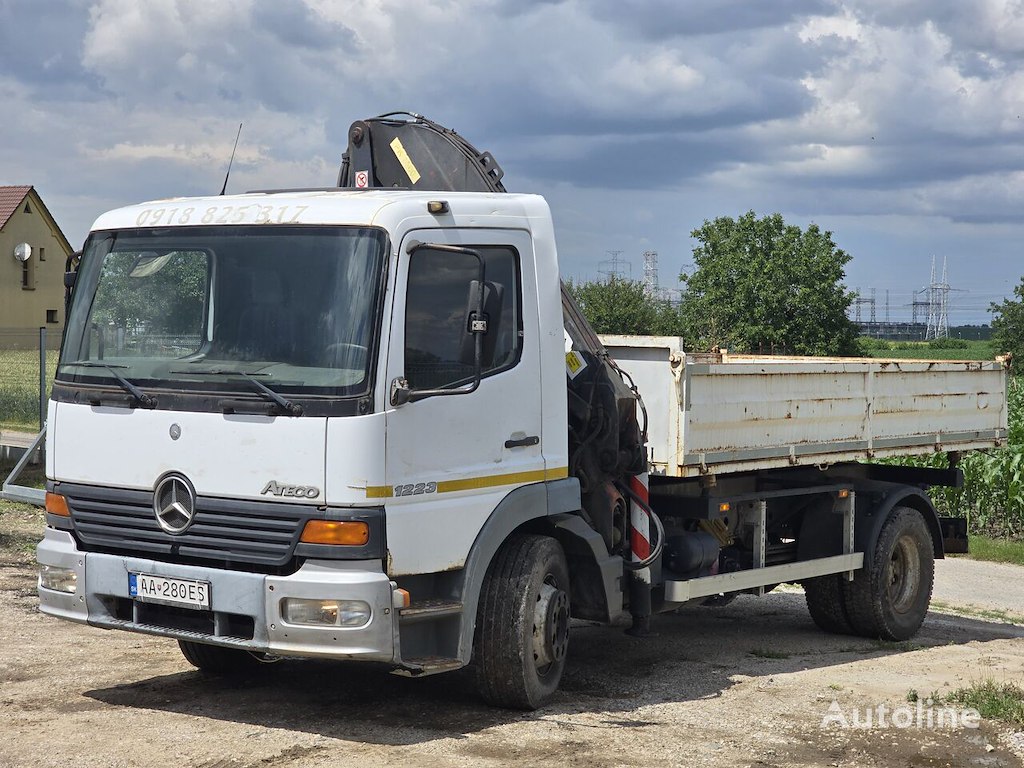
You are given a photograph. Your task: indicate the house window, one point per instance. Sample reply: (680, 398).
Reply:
(28, 209)
(51, 315)
(28, 274)
(42, 253)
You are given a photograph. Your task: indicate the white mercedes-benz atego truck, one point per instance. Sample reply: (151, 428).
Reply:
(368, 424)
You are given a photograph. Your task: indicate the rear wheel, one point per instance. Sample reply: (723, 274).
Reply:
(522, 626)
(826, 603)
(889, 597)
(217, 660)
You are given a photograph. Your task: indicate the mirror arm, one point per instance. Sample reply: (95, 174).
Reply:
(71, 265)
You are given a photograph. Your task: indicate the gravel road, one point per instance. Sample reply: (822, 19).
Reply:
(748, 684)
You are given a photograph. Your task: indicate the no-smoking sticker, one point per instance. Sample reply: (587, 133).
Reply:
(362, 179)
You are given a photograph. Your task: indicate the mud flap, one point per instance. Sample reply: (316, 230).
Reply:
(954, 535)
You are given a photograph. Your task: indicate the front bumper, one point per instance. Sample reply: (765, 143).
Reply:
(245, 607)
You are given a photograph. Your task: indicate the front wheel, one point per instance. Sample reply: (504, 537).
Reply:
(889, 596)
(216, 660)
(522, 625)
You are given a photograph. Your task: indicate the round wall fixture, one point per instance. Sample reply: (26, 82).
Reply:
(22, 251)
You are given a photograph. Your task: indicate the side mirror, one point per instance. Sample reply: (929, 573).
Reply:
(488, 310)
(71, 265)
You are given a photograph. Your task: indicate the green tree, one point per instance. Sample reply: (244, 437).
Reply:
(763, 286)
(623, 306)
(168, 297)
(1008, 326)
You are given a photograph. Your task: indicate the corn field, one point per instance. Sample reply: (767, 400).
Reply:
(19, 379)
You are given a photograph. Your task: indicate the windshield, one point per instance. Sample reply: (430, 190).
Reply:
(188, 307)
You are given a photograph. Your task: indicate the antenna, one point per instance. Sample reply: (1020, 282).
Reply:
(228, 174)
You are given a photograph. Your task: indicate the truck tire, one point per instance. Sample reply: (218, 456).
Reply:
(827, 604)
(888, 598)
(217, 660)
(522, 624)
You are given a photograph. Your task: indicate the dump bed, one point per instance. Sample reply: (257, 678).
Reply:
(721, 413)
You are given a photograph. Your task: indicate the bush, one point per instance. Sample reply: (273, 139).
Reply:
(948, 344)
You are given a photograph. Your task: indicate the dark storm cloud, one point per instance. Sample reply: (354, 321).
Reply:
(657, 19)
(294, 24)
(976, 25)
(41, 46)
(859, 108)
(644, 162)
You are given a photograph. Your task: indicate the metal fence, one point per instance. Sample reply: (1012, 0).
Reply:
(28, 361)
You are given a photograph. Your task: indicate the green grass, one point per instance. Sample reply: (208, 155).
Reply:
(33, 476)
(996, 550)
(19, 387)
(902, 646)
(993, 700)
(938, 349)
(767, 653)
(985, 614)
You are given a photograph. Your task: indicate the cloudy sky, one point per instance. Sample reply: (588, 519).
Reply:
(896, 124)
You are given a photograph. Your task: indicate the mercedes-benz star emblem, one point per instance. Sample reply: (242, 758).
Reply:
(174, 502)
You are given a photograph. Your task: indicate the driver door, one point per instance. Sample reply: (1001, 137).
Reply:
(450, 459)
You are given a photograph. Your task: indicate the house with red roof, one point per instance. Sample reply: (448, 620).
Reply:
(33, 252)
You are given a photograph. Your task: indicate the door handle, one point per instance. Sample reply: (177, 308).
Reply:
(521, 442)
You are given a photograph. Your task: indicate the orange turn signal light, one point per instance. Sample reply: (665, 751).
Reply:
(724, 507)
(57, 505)
(350, 532)
(844, 493)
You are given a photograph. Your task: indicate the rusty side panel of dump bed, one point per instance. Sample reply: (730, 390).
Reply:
(719, 413)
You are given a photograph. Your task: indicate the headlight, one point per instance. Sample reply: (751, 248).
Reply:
(58, 579)
(325, 613)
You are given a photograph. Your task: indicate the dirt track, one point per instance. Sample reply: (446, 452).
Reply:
(747, 684)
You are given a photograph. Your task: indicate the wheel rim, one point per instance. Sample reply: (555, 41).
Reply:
(550, 626)
(904, 574)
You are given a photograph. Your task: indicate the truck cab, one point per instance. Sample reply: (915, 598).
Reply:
(268, 414)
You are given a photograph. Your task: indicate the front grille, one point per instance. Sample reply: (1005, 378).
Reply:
(213, 624)
(225, 532)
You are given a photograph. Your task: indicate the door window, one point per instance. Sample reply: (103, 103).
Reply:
(438, 345)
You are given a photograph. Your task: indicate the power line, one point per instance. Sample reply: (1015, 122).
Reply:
(615, 267)
(651, 287)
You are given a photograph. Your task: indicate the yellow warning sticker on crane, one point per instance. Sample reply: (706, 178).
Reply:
(403, 157)
(574, 363)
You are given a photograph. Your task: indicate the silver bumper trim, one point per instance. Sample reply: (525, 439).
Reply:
(102, 600)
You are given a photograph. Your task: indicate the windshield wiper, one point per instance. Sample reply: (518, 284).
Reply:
(287, 405)
(146, 401)
(290, 408)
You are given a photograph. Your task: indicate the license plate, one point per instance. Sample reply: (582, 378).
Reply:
(160, 589)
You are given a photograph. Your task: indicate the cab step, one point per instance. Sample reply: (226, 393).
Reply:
(427, 665)
(428, 610)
